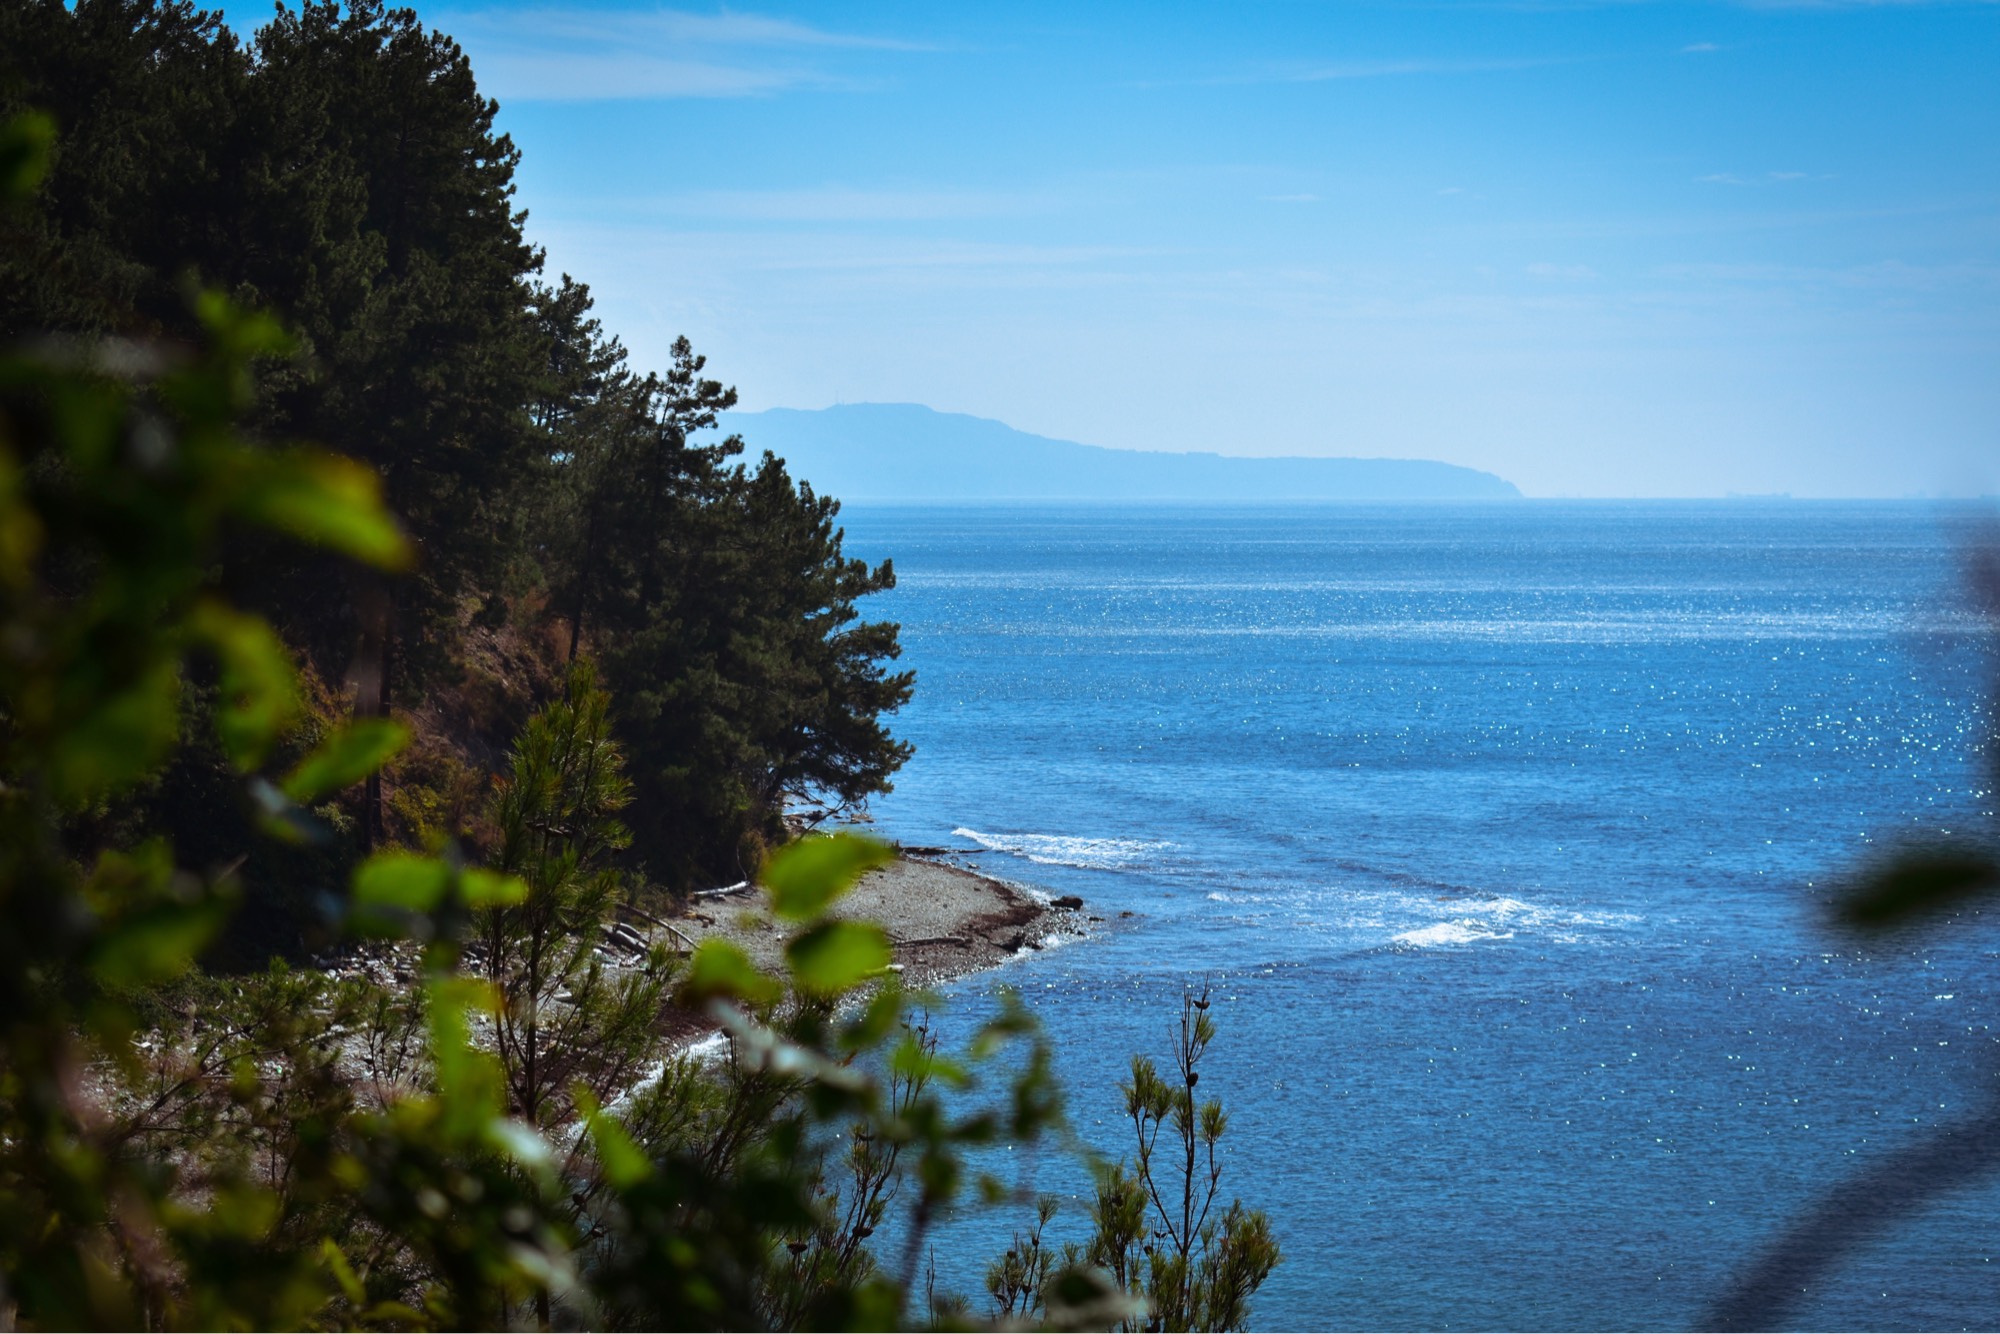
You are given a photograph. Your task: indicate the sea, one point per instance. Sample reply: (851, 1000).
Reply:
(1504, 835)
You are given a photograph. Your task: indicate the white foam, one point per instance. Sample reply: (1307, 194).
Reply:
(711, 1049)
(1422, 921)
(1462, 932)
(1099, 854)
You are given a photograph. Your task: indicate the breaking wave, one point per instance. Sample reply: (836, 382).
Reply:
(1097, 854)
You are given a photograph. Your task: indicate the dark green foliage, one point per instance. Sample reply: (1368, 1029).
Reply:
(1157, 1231)
(146, 99)
(342, 169)
(414, 318)
(1159, 1256)
(719, 604)
(305, 1149)
(565, 1027)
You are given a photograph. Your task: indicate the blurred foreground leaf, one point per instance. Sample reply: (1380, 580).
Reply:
(259, 687)
(121, 738)
(1917, 883)
(835, 957)
(345, 758)
(325, 500)
(810, 874)
(25, 142)
(719, 968)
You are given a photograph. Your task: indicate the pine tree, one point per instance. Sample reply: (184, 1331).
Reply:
(565, 1022)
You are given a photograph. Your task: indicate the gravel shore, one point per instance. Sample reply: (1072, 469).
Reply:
(944, 921)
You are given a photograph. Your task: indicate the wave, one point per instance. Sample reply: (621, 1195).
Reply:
(1487, 918)
(1096, 854)
(1463, 932)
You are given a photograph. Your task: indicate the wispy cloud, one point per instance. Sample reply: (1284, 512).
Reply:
(1699, 48)
(600, 54)
(670, 26)
(1384, 69)
(606, 76)
(1339, 70)
(1760, 178)
(1886, 275)
(836, 203)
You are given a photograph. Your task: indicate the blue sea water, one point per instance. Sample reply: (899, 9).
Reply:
(1504, 834)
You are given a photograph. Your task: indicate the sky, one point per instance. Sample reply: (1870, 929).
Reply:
(1601, 249)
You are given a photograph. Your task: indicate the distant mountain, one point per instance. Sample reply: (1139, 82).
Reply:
(903, 451)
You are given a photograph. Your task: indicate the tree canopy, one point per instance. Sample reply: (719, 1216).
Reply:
(342, 169)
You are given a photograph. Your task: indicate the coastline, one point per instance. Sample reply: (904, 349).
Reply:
(944, 921)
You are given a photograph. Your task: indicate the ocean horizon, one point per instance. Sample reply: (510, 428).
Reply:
(1505, 834)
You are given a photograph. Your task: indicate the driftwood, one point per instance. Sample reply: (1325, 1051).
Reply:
(739, 887)
(643, 916)
(959, 941)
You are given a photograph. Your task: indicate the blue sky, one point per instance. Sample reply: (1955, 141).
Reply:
(1636, 248)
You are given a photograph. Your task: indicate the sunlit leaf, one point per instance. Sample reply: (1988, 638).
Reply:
(625, 1165)
(122, 739)
(810, 874)
(390, 888)
(25, 141)
(154, 923)
(836, 956)
(913, 1060)
(259, 688)
(719, 968)
(279, 817)
(326, 500)
(343, 1273)
(469, 1081)
(345, 758)
(490, 889)
(239, 331)
(876, 1021)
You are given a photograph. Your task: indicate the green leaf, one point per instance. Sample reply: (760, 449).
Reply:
(491, 889)
(625, 1164)
(719, 968)
(1919, 882)
(326, 500)
(156, 944)
(149, 943)
(240, 332)
(810, 874)
(121, 739)
(343, 1273)
(259, 688)
(345, 758)
(877, 1020)
(469, 1082)
(837, 956)
(392, 887)
(25, 142)
(913, 1060)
